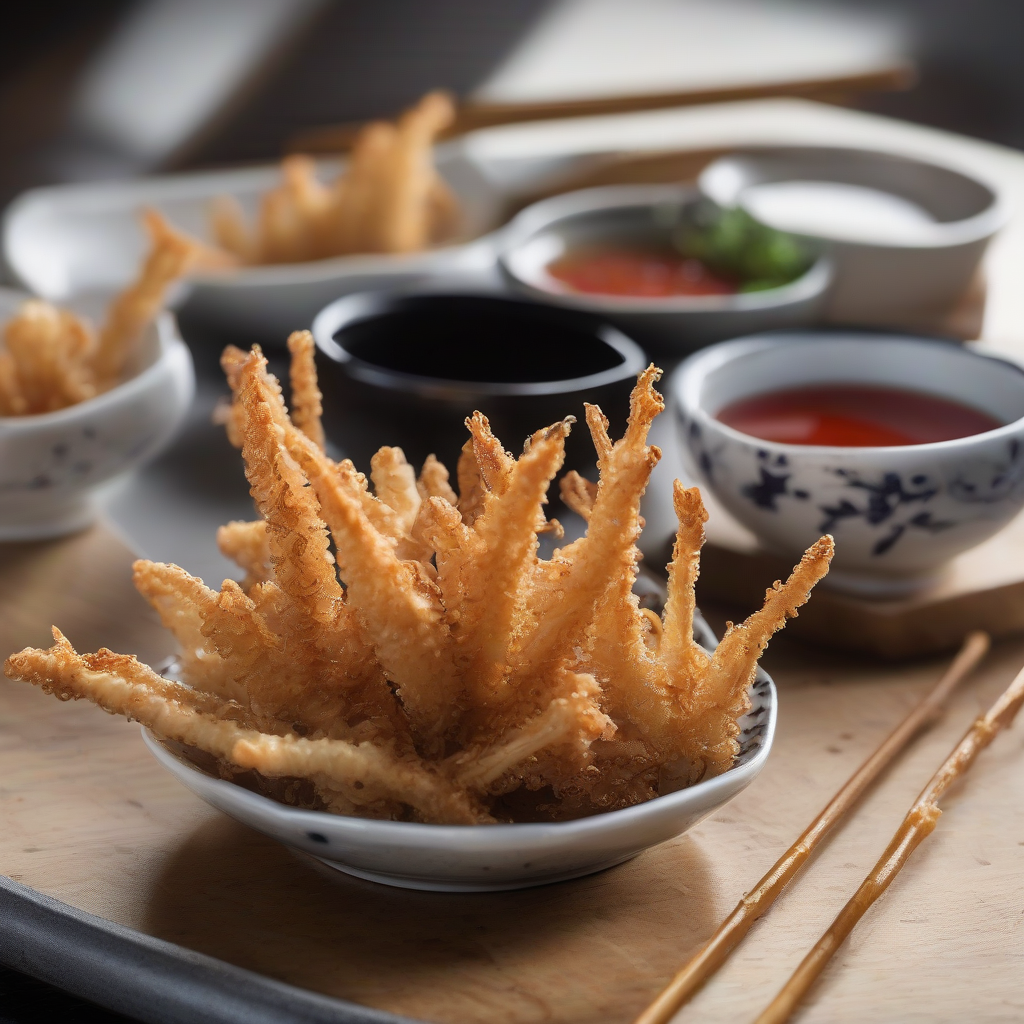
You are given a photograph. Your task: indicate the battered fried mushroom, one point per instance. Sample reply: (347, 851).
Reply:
(306, 397)
(52, 359)
(390, 199)
(407, 653)
(364, 774)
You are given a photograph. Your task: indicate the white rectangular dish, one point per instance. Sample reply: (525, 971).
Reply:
(65, 241)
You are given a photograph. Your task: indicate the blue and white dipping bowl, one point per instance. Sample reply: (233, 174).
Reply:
(898, 514)
(53, 464)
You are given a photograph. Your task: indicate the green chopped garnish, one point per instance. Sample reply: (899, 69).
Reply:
(731, 243)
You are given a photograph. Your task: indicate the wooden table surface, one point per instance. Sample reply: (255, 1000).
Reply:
(88, 817)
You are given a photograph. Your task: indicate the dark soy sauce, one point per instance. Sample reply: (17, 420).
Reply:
(469, 339)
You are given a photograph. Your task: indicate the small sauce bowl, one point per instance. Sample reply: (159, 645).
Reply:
(897, 513)
(408, 368)
(905, 235)
(549, 229)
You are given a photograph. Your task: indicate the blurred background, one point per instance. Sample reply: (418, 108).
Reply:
(115, 88)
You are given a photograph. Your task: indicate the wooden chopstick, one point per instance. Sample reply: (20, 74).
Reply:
(732, 930)
(917, 825)
(842, 89)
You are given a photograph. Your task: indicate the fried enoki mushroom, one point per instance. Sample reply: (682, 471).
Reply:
(52, 358)
(356, 777)
(390, 199)
(401, 650)
(307, 405)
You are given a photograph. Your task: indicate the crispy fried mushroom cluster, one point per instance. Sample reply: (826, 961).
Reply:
(51, 358)
(403, 650)
(389, 199)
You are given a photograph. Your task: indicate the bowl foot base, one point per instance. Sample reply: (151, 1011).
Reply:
(43, 520)
(879, 587)
(429, 885)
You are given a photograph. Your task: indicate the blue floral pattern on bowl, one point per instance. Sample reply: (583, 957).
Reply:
(51, 464)
(898, 511)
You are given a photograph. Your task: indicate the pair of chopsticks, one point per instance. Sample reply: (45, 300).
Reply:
(916, 826)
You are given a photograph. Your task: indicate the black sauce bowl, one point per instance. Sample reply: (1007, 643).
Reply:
(406, 369)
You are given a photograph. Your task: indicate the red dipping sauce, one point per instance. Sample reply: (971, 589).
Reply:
(637, 273)
(854, 416)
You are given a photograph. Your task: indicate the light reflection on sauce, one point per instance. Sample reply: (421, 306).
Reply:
(854, 416)
(637, 273)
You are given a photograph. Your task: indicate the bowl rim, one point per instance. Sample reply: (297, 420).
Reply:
(946, 234)
(347, 309)
(547, 213)
(485, 837)
(692, 372)
(169, 346)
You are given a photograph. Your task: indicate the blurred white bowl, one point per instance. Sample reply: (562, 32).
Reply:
(486, 858)
(680, 323)
(906, 236)
(51, 464)
(899, 513)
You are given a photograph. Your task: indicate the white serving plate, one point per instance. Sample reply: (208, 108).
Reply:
(488, 858)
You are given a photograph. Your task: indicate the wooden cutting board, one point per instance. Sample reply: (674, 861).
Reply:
(88, 817)
(982, 589)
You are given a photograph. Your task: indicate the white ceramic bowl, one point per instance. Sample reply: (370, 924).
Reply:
(544, 231)
(906, 236)
(485, 858)
(51, 464)
(897, 513)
